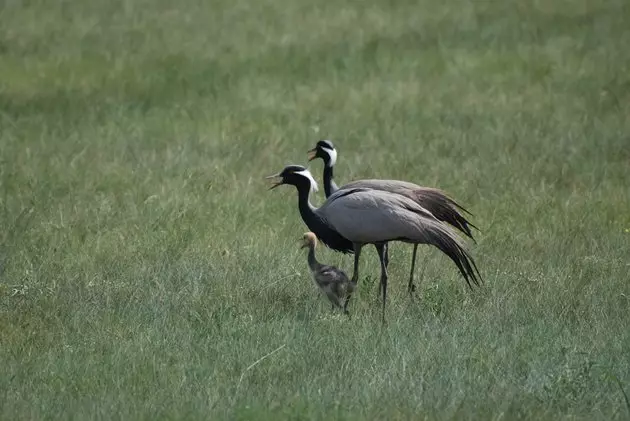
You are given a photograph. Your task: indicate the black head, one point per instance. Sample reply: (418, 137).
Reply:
(325, 150)
(295, 175)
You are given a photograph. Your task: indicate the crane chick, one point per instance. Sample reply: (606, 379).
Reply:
(331, 280)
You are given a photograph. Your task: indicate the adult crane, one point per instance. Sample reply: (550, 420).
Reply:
(434, 200)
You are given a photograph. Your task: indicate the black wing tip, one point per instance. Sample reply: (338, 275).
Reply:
(452, 217)
(466, 265)
(460, 207)
(468, 231)
(472, 269)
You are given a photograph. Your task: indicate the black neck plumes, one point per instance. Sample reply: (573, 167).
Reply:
(328, 180)
(318, 225)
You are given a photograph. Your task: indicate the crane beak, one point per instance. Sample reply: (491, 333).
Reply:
(312, 154)
(276, 179)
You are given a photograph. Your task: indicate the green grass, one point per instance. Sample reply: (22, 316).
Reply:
(146, 269)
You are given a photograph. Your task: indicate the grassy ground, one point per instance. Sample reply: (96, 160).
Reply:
(147, 273)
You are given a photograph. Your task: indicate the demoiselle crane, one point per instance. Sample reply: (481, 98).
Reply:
(434, 200)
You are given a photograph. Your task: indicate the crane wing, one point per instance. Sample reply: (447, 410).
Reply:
(372, 216)
(368, 216)
(333, 274)
(434, 200)
(387, 185)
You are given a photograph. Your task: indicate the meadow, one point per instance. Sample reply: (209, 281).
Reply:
(147, 272)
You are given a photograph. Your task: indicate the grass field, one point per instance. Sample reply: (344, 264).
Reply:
(148, 273)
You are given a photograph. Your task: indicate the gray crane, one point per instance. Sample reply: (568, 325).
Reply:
(333, 282)
(434, 200)
(352, 218)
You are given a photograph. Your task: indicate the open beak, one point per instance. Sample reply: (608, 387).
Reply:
(276, 179)
(312, 154)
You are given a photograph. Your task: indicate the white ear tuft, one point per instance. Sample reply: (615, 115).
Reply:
(332, 154)
(307, 174)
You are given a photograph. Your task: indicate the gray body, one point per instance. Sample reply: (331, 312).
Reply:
(333, 282)
(367, 216)
(434, 200)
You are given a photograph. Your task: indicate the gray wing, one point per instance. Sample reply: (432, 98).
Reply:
(434, 200)
(396, 186)
(377, 183)
(336, 283)
(371, 216)
(331, 274)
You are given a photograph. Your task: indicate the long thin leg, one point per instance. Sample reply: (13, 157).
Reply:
(345, 304)
(335, 301)
(381, 255)
(411, 287)
(355, 274)
(357, 254)
(386, 259)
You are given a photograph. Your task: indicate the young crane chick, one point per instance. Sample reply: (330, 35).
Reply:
(331, 280)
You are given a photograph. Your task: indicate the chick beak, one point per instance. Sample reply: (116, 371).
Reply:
(276, 179)
(312, 154)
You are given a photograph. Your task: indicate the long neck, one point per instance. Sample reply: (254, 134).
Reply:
(307, 211)
(329, 185)
(317, 224)
(312, 261)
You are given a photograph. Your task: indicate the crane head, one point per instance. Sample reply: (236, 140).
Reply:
(295, 175)
(325, 150)
(308, 239)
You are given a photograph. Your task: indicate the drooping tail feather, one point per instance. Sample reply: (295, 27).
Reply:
(449, 245)
(445, 209)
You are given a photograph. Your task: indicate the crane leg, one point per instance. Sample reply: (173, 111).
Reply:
(381, 254)
(357, 255)
(411, 287)
(345, 304)
(386, 259)
(355, 274)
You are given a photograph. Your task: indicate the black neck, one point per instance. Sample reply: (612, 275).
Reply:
(307, 211)
(312, 261)
(328, 177)
(318, 225)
